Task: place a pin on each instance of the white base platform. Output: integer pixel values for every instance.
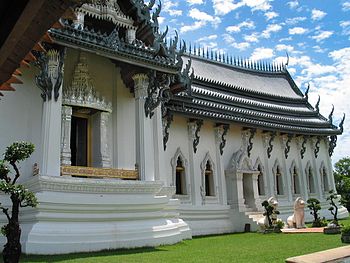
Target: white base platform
(76, 215)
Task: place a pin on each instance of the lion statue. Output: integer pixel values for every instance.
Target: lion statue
(297, 220)
(263, 223)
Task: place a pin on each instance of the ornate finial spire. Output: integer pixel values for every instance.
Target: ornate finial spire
(330, 116)
(317, 106)
(307, 91)
(287, 59)
(341, 124)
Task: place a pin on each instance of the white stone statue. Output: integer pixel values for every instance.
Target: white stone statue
(263, 223)
(297, 220)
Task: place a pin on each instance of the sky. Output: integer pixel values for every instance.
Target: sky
(314, 33)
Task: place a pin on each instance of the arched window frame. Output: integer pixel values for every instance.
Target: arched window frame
(324, 178)
(278, 181)
(310, 178)
(261, 177)
(295, 178)
(185, 184)
(212, 182)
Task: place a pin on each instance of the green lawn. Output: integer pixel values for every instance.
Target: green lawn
(242, 247)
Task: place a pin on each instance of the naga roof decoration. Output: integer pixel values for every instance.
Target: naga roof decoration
(262, 96)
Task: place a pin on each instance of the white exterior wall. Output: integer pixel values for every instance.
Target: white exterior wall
(194, 211)
(21, 117)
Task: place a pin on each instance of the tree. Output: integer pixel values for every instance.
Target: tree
(314, 205)
(342, 180)
(20, 197)
(334, 208)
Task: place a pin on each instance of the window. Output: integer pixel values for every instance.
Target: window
(209, 180)
(311, 181)
(180, 178)
(279, 182)
(296, 185)
(261, 187)
(324, 179)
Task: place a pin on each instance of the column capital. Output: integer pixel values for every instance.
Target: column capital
(141, 82)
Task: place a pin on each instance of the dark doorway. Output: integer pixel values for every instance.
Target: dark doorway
(79, 141)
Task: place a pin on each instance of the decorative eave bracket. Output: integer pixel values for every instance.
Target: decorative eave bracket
(166, 121)
(194, 127)
(221, 132)
(268, 139)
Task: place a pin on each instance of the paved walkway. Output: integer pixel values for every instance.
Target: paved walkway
(302, 230)
(340, 254)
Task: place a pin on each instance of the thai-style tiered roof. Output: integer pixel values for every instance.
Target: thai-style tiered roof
(254, 94)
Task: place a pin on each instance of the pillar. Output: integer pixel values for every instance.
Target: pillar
(50, 82)
(161, 173)
(144, 131)
(219, 131)
(269, 176)
(304, 183)
(317, 178)
(65, 135)
(195, 197)
(288, 183)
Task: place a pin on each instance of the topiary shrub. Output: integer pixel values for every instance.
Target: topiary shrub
(20, 197)
(314, 205)
(334, 208)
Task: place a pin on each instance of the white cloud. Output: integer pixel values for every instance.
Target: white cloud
(318, 49)
(170, 7)
(195, 2)
(317, 14)
(295, 20)
(297, 31)
(241, 45)
(196, 25)
(281, 47)
(204, 17)
(232, 42)
(269, 29)
(293, 4)
(285, 39)
(346, 27)
(322, 35)
(261, 53)
(346, 6)
(271, 15)
(223, 7)
(251, 38)
(207, 38)
(262, 5)
(237, 28)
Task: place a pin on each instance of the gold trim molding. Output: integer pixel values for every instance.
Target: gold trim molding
(93, 172)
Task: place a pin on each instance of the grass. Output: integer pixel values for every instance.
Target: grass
(242, 247)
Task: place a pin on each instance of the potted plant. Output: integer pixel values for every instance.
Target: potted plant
(345, 234)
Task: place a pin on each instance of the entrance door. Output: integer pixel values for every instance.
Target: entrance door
(248, 190)
(79, 141)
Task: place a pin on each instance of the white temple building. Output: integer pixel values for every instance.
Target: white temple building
(142, 142)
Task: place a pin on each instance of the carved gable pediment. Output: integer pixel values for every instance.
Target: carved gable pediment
(81, 92)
